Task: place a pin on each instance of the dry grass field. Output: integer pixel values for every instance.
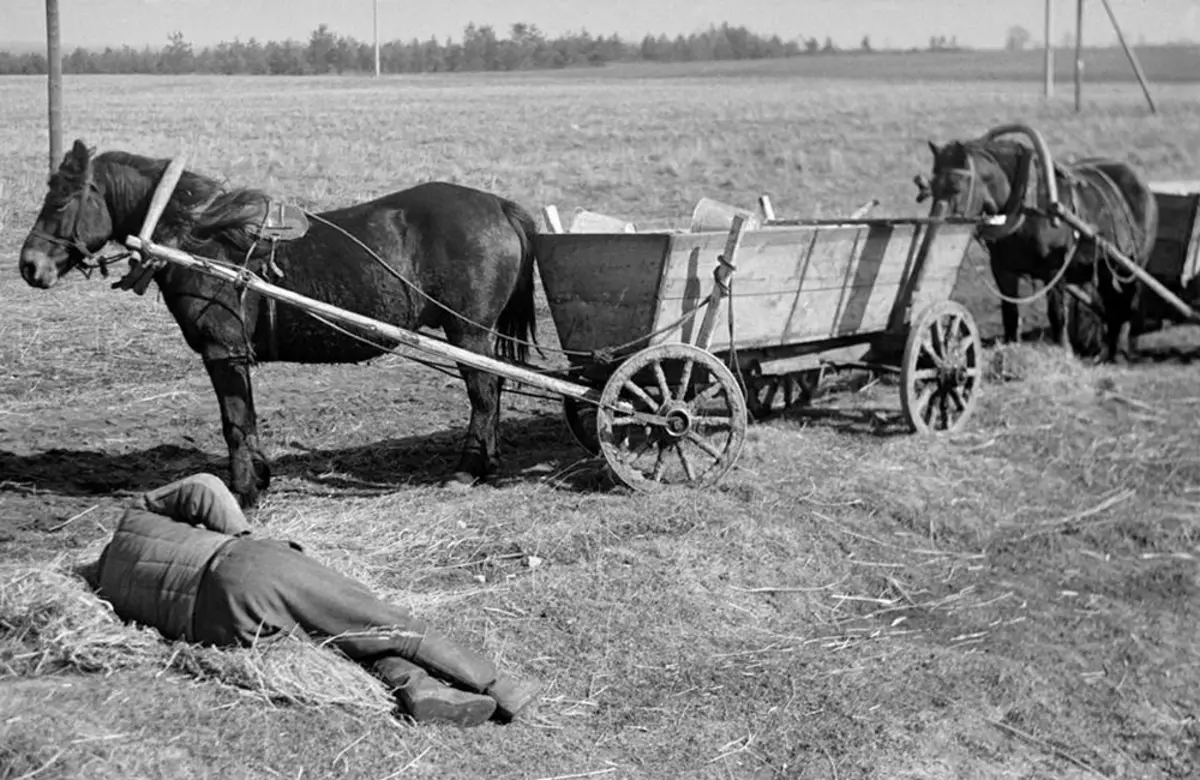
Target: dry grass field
(1018, 601)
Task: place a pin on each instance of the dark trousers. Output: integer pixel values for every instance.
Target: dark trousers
(258, 587)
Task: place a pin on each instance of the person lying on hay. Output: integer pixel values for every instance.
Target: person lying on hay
(183, 561)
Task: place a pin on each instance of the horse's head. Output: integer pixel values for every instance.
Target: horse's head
(74, 222)
(967, 179)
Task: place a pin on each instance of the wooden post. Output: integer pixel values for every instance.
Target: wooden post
(54, 83)
(1049, 57)
(726, 265)
(1133, 60)
(376, 20)
(553, 221)
(1078, 56)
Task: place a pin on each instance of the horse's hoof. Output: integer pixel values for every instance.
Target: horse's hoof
(262, 471)
(461, 480)
(247, 500)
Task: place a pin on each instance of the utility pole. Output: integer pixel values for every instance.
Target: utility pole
(1133, 60)
(1049, 64)
(1078, 56)
(54, 83)
(376, 15)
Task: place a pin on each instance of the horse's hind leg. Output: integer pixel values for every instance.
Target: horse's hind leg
(481, 449)
(249, 471)
(481, 452)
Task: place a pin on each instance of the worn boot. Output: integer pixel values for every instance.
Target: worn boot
(472, 671)
(427, 700)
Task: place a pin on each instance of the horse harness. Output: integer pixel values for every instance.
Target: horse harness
(1023, 200)
(280, 222)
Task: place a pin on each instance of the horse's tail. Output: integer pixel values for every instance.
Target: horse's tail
(517, 324)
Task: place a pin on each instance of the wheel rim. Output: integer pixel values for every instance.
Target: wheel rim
(580, 417)
(671, 414)
(942, 369)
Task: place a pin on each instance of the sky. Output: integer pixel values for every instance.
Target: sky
(889, 23)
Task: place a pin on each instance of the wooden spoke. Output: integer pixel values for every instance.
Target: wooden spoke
(703, 444)
(711, 421)
(659, 463)
(641, 395)
(661, 378)
(685, 379)
(687, 464)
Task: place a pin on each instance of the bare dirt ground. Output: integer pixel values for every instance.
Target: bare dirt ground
(1018, 601)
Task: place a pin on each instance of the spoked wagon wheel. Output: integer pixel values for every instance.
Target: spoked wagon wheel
(580, 417)
(766, 392)
(942, 369)
(671, 414)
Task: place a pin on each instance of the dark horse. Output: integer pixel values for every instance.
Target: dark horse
(994, 178)
(470, 251)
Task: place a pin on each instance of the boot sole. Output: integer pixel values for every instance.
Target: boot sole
(465, 714)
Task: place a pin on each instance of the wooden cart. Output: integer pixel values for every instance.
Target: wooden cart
(787, 297)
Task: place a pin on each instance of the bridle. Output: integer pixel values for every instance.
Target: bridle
(1014, 208)
(85, 260)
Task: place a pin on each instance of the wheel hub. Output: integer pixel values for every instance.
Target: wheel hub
(679, 419)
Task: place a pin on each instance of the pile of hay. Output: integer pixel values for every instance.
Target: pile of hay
(50, 621)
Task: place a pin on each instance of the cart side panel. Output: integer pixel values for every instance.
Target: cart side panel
(602, 288)
(1173, 259)
(793, 285)
(939, 272)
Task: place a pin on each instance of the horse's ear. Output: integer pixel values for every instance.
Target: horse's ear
(934, 148)
(78, 157)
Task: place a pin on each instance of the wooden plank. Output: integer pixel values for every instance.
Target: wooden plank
(946, 254)
(1178, 187)
(1176, 223)
(593, 222)
(713, 215)
(1191, 264)
(553, 221)
(601, 288)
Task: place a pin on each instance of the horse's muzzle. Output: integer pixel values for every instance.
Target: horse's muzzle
(37, 268)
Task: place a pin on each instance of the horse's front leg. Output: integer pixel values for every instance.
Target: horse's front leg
(248, 467)
(1058, 312)
(1009, 284)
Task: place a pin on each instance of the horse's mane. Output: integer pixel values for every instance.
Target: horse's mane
(1005, 152)
(202, 210)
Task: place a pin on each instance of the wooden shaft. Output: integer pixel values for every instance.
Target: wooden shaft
(1135, 269)
(377, 329)
(161, 197)
(721, 275)
(54, 83)
(1133, 60)
(1040, 148)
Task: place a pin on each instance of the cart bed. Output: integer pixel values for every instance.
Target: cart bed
(794, 284)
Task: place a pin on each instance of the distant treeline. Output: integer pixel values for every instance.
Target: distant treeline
(481, 49)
